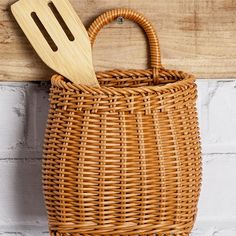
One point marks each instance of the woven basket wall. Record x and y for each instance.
(123, 159)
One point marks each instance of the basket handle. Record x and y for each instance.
(132, 15)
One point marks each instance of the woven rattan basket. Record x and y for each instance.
(123, 159)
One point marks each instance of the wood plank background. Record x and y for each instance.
(198, 36)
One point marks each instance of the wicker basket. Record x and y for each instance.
(123, 159)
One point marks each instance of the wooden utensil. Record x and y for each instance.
(58, 36)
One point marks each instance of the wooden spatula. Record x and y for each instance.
(58, 36)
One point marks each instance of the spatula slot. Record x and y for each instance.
(61, 21)
(44, 32)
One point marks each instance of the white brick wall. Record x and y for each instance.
(23, 115)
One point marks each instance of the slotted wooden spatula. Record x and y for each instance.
(58, 36)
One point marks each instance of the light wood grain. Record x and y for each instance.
(61, 58)
(195, 36)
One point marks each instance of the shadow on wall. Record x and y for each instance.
(25, 114)
(28, 187)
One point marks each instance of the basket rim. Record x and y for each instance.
(186, 80)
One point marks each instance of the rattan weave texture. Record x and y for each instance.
(123, 159)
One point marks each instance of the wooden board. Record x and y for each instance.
(198, 36)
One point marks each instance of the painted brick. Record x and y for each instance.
(217, 200)
(24, 107)
(12, 118)
(213, 228)
(24, 230)
(226, 232)
(21, 200)
(217, 115)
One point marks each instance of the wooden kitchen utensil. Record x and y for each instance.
(58, 36)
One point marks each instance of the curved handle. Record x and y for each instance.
(132, 15)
